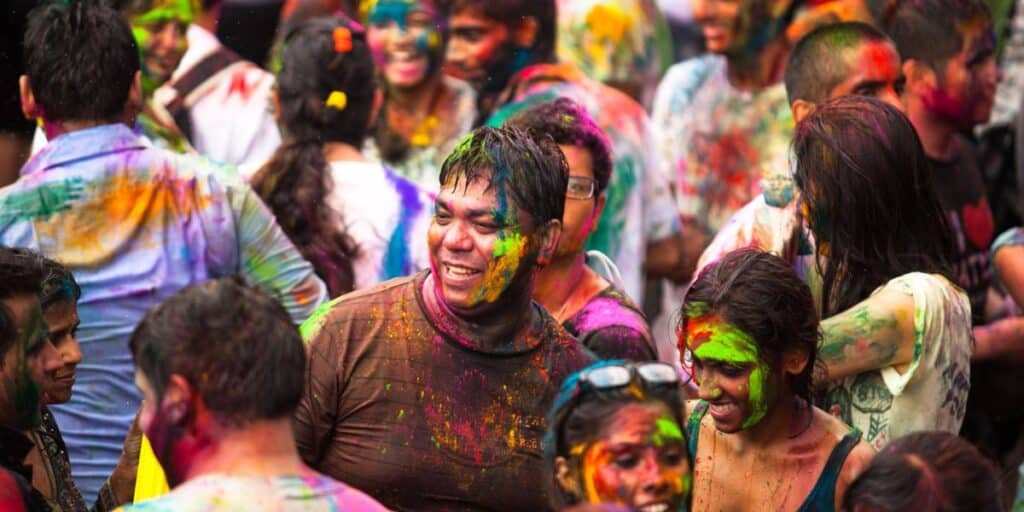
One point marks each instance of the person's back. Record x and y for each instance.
(134, 223)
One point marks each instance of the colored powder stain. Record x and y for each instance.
(315, 322)
(168, 10)
(387, 387)
(508, 253)
(398, 260)
(392, 11)
(401, 414)
(721, 341)
(595, 457)
(666, 430)
(41, 202)
(607, 312)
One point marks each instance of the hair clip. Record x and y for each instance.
(342, 40)
(337, 100)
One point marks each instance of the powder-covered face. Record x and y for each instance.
(581, 215)
(638, 461)
(873, 70)
(735, 27)
(406, 40)
(966, 87)
(481, 51)
(28, 364)
(732, 378)
(481, 245)
(62, 319)
(160, 34)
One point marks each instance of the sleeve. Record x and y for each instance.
(620, 342)
(268, 257)
(939, 308)
(661, 217)
(1010, 237)
(317, 411)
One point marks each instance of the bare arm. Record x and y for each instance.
(1009, 263)
(876, 333)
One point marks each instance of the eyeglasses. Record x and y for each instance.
(617, 376)
(580, 187)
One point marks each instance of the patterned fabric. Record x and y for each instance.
(135, 224)
(639, 208)
(386, 215)
(423, 165)
(612, 327)
(66, 496)
(932, 393)
(308, 492)
(723, 146)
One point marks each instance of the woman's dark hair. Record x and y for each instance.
(326, 92)
(234, 343)
(80, 59)
(21, 273)
(569, 124)
(868, 187)
(580, 416)
(59, 284)
(760, 294)
(932, 471)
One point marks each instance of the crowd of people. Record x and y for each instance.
(312, 255)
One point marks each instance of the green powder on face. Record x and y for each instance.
(508, 252)
(666, 429)
(724, 342)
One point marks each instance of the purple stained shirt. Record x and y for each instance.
(612, 327)
(135, 224)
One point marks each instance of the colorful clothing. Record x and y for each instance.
(386, 215)
(423, 164)
(616, 42)
(932, 393)
(639, 208)
(406, 406)
(230, 115)
(612, 327)
(14, 447)
(723, 145)
(308, 492)
(135, 224)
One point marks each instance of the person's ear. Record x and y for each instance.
(921, 78)
(567, 479)
(178, 401)
(794, 361)
(29, 106)
(802, 109)
(136, 100)
(550, 234)
(525, 33)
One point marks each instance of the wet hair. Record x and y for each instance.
(59, 284)
(233, 343)
(580, 416)
(509, 12)
(81, 60)
(296, 180)
(867, 183)
(532, 171)
(569, 124)
(760, 294)
(933, 471)
(818, 63)
(926, 30)
(21, 273)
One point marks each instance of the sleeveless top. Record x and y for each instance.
(822, 495)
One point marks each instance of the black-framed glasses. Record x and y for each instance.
(581, 187)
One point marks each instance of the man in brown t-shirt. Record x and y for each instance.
(430, 392)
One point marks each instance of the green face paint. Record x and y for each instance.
(509, 249)
(713, 339)
(665, 430)
(146, 26)
(167, 10)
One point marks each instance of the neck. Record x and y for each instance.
(937, 136)
(787, 420)
(54, 129)
(558, 282)
(264, 448)
(760, 70)
(493, 330)
(415, 101)
(341, 151)
(207, 19)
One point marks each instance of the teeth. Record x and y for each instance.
(661, 507)
(459, 271)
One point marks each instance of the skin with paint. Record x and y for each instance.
(581, 215)
(475, 44)
(405, 38)
(964, 91)
(160, 34)
(639, 460)
(62, 319)
(483, 248)
(733, 28)
(872, 69)
(756, 426)
(27, 366)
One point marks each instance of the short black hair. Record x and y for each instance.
(509, 12)
(21, 273)
(926, 30)
(761, 294)
(81, 59)
(59, 284)
(569, 124)
(816, 64)
(235, 344)
(533, 171)
(926, 471)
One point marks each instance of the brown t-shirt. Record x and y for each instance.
(403, 407)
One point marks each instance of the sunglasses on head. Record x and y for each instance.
(618, 376)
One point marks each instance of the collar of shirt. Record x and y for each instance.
(15, 446)
(83, 145)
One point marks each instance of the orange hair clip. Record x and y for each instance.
(342, 39)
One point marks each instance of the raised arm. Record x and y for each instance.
(876, 333)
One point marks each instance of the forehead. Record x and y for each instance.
(638, 420)
(401, 8)
(581, 163)
(165, 10)
(876, 61)
(472, 16)
(711, 337)
(976, 33)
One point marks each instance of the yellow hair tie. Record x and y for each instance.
(337, 100)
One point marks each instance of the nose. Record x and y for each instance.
(457, 238)
(654, 483)
(708, 389)
(169, 36)
(72, 353)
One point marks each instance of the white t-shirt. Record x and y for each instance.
(932, 393)
(387, 216)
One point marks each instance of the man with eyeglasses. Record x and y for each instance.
(599, 314)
